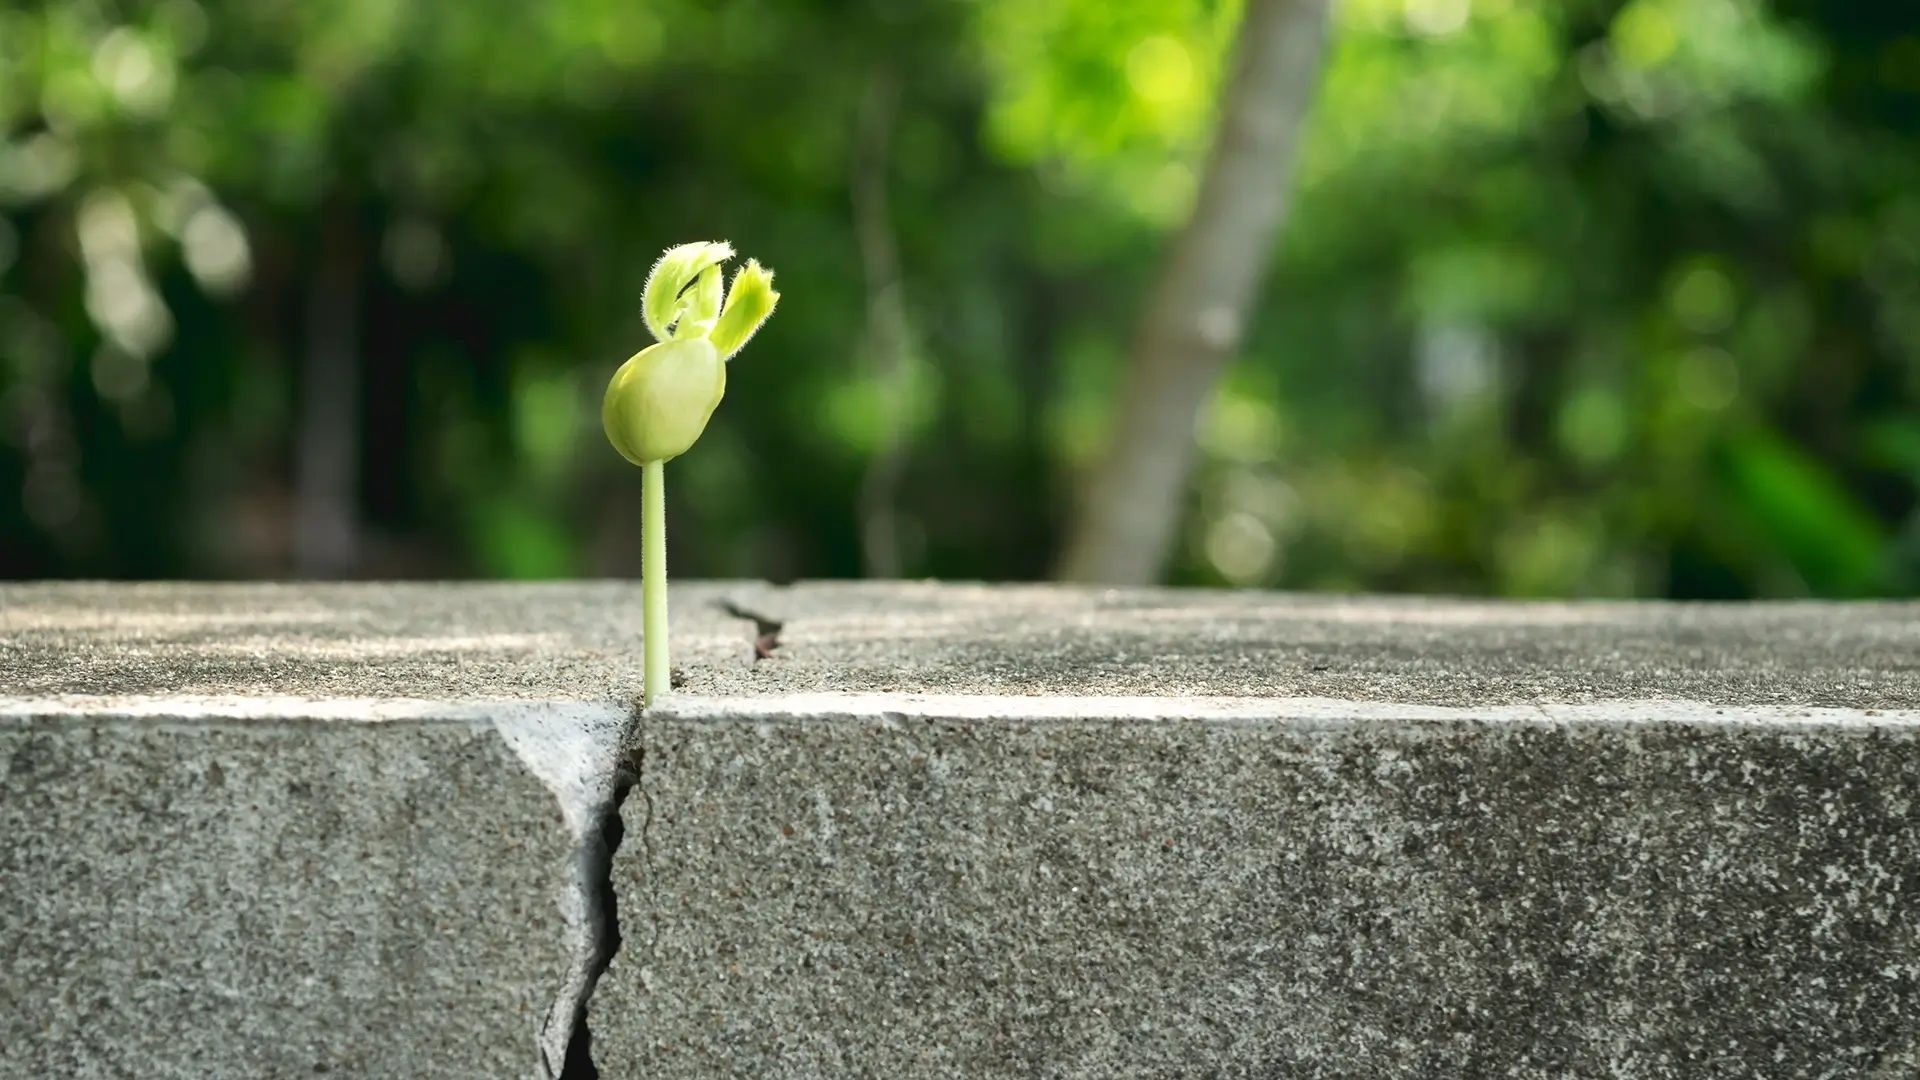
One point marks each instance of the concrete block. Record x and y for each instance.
(1044, 833)
(278, 831)
(204, 892)
(926, 831)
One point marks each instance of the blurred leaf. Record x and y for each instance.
(1548, 266)
(548, 418)
(515, 541)
(1895, 444)
(1802, 510)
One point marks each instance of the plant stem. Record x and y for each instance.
(653, 578)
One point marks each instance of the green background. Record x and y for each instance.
(1574, 298)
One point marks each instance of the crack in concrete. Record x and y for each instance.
(575, 751)
(766, 630)
(592, 884)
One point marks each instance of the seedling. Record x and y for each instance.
(660, 400)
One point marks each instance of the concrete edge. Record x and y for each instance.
(1306, 713)
(200, 708)
(574, 749)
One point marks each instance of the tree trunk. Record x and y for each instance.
(1131, 504)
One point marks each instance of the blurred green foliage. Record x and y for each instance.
(1580, 298)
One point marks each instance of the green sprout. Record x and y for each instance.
(660, 400)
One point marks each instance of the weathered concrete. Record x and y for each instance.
(1045, 640)
(258, 895)
(1622, 843)
(258, 831)
(955, 831)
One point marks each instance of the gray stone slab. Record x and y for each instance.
(1028, 640)
(258, 830)
(457, 642)
(579, 641)
(1255, 836)
(251, 895)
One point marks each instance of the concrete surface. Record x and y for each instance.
(1252, 836)
(953, 831)
(1028, 640)
(274, 831)
(258, 895)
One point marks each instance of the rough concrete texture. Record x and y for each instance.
(1026, 640)
(1375, 838)
(275, 897)
(954, 831)
(442, 642)
(275, 831)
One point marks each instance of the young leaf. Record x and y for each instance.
(665, 297)
(749, 303)
(702, 305)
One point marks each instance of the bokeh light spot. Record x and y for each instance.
(1160, 70)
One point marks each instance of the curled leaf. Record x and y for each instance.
(702, 304)
(667, 296)
(749, 302)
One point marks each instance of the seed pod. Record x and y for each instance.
(660, 401)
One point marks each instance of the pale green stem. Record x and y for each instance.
(653, 577)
